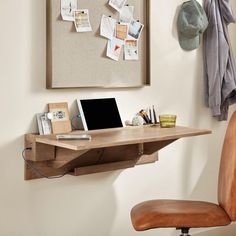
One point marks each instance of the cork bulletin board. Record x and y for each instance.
(79, 59)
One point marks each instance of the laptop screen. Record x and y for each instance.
(99, 113)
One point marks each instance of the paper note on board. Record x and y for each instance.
(117, 4)
(67, 9)
(107, 27)
(114, 47)
(121, 31)
(82, 23)
(135, 29)
(131, 49)
(127, 14)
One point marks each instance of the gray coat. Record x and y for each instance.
(219, 66)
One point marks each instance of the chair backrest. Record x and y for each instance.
(227, 174)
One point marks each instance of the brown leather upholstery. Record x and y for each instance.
(227, 174)
(196, 214)
(177, 214)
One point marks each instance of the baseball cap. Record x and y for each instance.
(192, 22)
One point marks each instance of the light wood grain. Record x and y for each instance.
(147, 159)
(60, 126)
(104, 167)
(109, 149)
(123, 136)
(39, 152)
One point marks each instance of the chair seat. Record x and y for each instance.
(177, 214)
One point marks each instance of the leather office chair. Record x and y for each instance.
(184, 215)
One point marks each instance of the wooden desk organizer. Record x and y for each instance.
(109, 149)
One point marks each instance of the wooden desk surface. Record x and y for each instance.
(122, 136)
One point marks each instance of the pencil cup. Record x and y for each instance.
(167, 121)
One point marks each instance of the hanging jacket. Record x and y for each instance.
(219, 66)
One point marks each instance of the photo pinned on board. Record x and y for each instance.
(135, 29)
(117, 4)
(82, 23)
(107, 27)
(67, 9)
(121, 31)
(114, 47)
(131, 49)
(127, 14)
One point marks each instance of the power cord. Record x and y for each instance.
(36, 170)
(100, 156)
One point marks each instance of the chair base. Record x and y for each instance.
(184, 232)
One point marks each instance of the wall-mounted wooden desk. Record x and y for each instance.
(109, 149)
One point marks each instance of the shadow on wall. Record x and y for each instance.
(84, 205)
(200, 117)
(38, 46)
(174, 26)
(70, 205)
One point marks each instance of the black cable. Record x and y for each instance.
(100, 156)
(36, 170)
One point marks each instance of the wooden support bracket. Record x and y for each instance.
(39, 152)
(49, 160)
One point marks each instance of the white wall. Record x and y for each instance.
(100, 204)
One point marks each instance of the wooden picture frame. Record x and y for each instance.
(78, 60)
